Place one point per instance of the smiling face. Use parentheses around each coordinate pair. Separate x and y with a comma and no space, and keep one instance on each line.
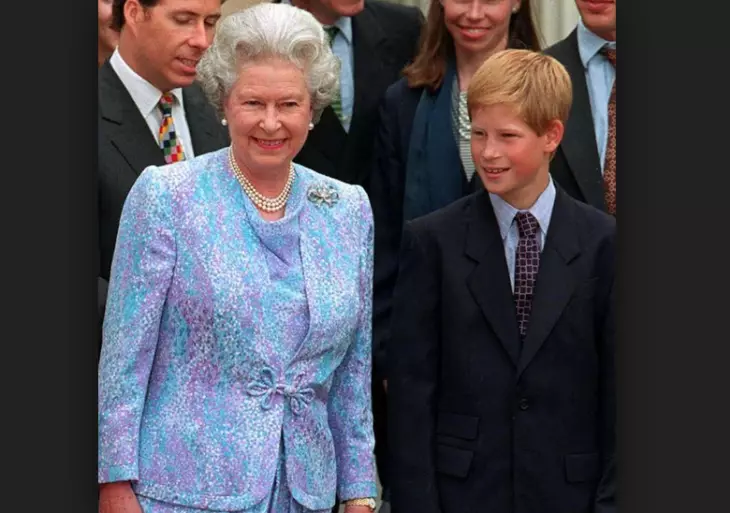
(478,26)
(268,111)
(169,39)
(511,158)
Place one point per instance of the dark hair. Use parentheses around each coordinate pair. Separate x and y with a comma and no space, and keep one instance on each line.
(118,11)
(437,45)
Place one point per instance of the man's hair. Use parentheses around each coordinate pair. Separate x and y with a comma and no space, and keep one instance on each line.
(535,84)
(118,11)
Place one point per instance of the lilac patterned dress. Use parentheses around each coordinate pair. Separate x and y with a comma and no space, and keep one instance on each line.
(235,367)
(286,313)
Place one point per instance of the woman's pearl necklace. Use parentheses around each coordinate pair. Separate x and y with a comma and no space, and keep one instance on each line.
(262,202)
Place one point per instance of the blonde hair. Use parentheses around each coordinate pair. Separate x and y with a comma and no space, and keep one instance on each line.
(535,84)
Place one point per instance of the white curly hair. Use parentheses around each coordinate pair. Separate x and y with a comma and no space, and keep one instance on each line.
(264,31)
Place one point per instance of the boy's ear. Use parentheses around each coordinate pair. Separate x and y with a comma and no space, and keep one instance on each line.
(554,135)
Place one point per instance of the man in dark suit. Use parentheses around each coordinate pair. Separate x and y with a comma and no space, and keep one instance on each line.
(585,164)
(374,41)
(160,44)
(501,383)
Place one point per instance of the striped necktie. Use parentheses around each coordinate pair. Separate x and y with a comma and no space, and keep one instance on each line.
(169,142)
(337,102)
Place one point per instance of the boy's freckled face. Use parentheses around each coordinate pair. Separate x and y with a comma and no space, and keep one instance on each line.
(511,158)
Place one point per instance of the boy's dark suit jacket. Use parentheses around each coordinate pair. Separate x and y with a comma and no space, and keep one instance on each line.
(478,423)
(385,39)
(126,147)
(576,166)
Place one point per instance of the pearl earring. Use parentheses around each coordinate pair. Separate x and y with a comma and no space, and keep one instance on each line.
(224,122)
(311,125)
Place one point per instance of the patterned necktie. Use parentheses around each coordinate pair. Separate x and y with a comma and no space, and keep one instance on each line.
(169,142)
(609,166)
(527,262)
(337,102)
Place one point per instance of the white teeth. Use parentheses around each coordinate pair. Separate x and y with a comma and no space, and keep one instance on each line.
(270,143)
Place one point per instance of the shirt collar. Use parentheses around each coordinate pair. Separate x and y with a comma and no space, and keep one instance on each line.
(542,209)
(145,95)
(589,44)
(344,23)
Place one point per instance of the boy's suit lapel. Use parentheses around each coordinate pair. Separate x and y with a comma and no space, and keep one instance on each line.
(489,282)
(555,281)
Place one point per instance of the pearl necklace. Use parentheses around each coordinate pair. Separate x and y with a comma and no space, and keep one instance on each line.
(262,202)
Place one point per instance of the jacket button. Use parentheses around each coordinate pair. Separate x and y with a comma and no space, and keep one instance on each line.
(524,404)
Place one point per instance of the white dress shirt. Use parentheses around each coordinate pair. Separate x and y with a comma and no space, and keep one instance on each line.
(147,97)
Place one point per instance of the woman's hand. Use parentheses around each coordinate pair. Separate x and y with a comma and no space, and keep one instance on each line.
(118,498)
(357,509)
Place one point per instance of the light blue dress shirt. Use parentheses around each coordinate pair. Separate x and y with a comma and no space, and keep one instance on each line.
(342,47)
(600,75)
(505,213)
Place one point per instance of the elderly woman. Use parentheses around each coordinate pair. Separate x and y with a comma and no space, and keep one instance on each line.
(235,369)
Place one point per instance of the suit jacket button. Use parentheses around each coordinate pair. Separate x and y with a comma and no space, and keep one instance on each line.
(524,404)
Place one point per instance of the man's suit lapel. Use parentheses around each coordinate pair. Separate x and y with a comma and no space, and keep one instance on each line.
(555,281)
(489,282)
(579,142)
(204,134)
(125,126)
(328,139)
(371,61)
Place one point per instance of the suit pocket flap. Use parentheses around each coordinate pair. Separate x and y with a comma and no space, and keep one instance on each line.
(580,468)
(459,426)
(453,461)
